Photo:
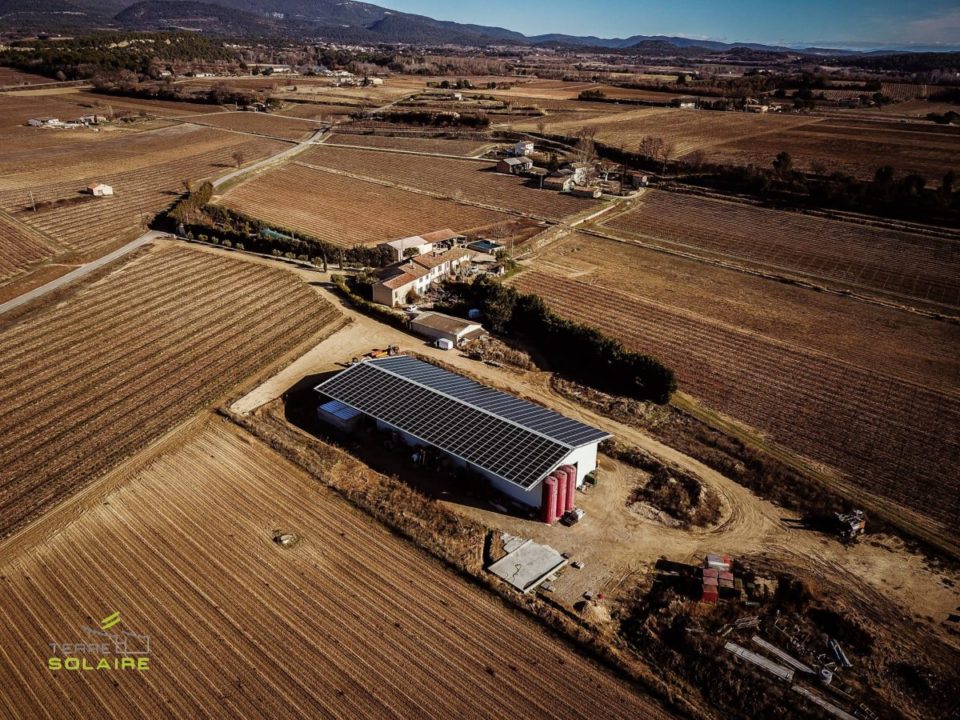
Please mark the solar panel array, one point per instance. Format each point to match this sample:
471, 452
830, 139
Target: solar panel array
509, 437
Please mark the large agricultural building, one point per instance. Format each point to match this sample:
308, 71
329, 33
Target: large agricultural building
515, 444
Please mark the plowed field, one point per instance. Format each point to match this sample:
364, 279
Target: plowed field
426, 145
86, 383
350, 622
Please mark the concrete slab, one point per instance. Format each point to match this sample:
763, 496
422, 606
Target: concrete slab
528, 564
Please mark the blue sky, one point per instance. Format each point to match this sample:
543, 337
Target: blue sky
838, 23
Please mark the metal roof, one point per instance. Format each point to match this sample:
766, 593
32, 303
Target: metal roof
515, 439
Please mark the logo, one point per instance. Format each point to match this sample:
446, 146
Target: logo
102, 650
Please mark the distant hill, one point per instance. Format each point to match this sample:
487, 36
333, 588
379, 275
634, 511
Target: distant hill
336, 20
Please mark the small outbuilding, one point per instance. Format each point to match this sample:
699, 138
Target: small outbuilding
99, 190
514, 165
523, 148
585, 191
438, 326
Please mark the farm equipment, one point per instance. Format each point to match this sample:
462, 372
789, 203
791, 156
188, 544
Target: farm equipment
572, 517
379, 353
850, 526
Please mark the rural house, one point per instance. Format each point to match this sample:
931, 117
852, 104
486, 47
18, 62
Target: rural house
416, 275
523, 148
44, 122
533, 455
514, 165
99, 190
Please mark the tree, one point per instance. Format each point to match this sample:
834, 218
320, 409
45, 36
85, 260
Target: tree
783, 163
411, 252
238, 157
541, 126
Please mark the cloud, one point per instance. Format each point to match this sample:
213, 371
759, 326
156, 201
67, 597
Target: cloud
942, 28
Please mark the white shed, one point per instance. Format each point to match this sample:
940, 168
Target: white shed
99, 189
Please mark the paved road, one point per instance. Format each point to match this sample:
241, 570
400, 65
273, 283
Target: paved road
300, 147
80, 271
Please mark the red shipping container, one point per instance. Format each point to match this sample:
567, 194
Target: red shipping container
710, 581
711, 573
726, 576
709, 595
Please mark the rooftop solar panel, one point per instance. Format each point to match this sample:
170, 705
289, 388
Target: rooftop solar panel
512, 438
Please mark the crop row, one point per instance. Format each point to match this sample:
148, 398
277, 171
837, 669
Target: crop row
75, 409
894, 438
875, 258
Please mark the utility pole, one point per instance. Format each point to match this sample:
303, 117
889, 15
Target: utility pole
33, 202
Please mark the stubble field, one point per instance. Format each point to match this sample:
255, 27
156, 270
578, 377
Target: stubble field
349, 622
441, 146
86, 383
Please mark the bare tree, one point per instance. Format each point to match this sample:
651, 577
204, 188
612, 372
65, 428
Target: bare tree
650, 146
238, 157
668, 151
541, 127
586, 150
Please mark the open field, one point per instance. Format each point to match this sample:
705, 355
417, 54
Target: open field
906, 265
20, 248
345, 211
895, 439
854, 146
267, 124
316, 111
902, 344
425, 145
464, 179
86, 383
146, 177
350, 622
11, 77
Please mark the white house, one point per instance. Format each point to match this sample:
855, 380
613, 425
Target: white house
523, 148
99, 189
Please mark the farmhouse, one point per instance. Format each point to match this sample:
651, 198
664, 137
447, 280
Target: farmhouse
587, 191
560, 183
416, 275
438, 326
523, 148
423, 244
514, 165
525, 451
99, 189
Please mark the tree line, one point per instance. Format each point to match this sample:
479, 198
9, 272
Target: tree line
578, 351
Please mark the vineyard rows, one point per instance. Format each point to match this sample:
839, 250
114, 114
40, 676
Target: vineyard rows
138, 196
417, 144
895, 262
350, 622
345, 211
456, 178
894, 438
89, 383
19, 249
259, 123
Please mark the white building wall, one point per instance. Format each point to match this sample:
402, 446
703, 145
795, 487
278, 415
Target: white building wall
584, 459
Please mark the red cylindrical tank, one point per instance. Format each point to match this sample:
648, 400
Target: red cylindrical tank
548, 502
561, 494
571, 488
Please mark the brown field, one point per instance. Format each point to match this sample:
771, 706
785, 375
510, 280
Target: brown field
146, 178
11, 77
903, 344
853, 145
894, 439
464, 179
266, 124
20, 248
350, 622
904, 264
425, 145
317, 111
86, 383
345, 211
856, 147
